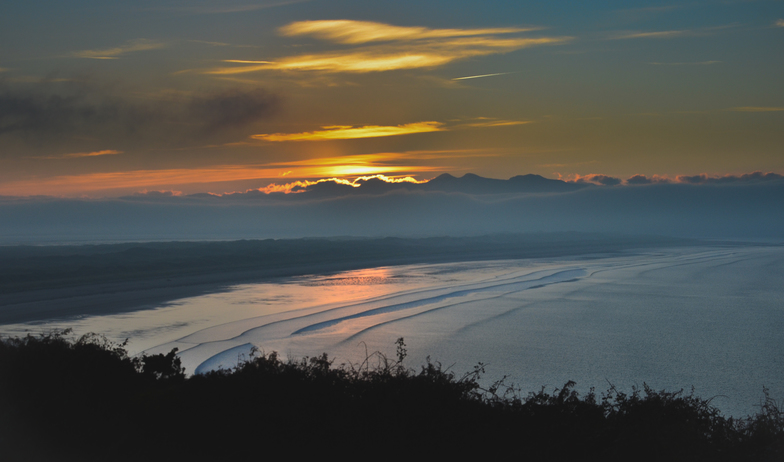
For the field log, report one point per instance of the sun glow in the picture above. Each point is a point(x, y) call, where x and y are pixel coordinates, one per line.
point(363, 166)
point(299, 186)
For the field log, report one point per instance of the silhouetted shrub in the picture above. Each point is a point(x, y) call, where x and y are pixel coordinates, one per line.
point(86, 399)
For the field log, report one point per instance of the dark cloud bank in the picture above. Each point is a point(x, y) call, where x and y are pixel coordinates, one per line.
point(44, 112)
point(744, 207)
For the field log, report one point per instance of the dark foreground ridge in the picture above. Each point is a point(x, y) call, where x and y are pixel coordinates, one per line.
point(86, 399)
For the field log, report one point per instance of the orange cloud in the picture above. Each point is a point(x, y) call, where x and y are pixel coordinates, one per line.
point(138, 179)
point(69, 185)
point(357, 32)
point(347, 132)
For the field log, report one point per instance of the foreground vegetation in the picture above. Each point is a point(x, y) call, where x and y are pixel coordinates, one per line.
point(86, 399)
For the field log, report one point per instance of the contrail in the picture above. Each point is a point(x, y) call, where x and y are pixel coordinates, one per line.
point(480, 76)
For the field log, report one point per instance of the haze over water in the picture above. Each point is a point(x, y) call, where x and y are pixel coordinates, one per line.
point(672, 318)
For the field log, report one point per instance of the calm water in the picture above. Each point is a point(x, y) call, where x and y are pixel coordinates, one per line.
point(711, 318)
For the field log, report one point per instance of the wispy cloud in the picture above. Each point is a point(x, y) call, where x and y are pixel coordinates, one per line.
point(670, 34)
point(358, 32)
point(494, 123)
point(480, 76)
point(696, 63)
point(226, 9)
point(76, 155)
point(406, 47)
point(89, 183)
point(664, 34)
point(135, 179)
point(780, 23)
point(347, 132)
point(114, 53)
point(757, 109)
point(223, 44)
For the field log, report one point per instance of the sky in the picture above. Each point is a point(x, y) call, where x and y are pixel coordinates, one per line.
point(105, 99)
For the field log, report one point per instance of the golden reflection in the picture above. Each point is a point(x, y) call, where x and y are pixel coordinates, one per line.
point(368, 276)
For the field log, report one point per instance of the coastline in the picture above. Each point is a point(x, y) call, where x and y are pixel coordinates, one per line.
point(55, 282)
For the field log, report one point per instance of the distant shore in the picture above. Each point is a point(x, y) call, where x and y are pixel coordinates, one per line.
point(41, 283)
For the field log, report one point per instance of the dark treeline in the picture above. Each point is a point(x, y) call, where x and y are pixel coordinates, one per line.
point(86, 399)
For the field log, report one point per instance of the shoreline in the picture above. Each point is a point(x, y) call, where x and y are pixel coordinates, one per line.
point(112, 279)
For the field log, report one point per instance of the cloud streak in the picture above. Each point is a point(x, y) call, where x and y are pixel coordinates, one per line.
point(697, 63)
point(136, 179)
point(116, 52)
point(358, 32)
point(404, 47)
point(495, 123)
point(227, 9)
point(77, 155)
point(664, 34)
point(481, 76)
point(757, 109)
point(347, 132)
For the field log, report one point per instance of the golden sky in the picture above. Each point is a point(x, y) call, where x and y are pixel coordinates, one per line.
point(104, 99)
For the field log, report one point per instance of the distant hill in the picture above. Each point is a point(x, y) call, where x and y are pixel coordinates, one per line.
point(467, 184)
point(475, 184)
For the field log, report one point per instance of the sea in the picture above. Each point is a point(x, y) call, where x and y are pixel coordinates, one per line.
point(705, 320)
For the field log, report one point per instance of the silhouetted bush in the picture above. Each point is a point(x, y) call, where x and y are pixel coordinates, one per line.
point(86, 399)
